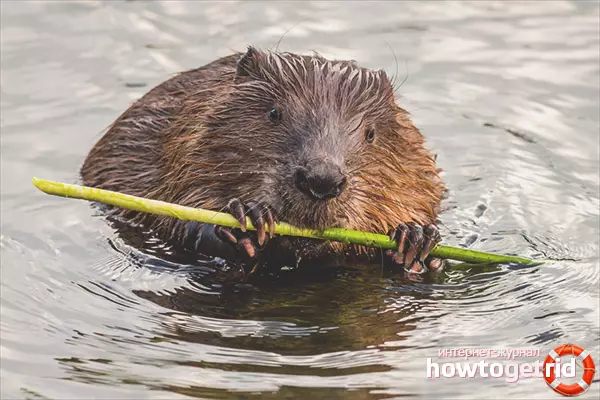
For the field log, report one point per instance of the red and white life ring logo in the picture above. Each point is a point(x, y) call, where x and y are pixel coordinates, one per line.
point(551, 371)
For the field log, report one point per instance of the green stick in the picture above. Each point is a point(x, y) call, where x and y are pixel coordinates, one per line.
point(282, 228)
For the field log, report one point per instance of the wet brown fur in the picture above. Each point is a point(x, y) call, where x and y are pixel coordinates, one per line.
point(203, 137)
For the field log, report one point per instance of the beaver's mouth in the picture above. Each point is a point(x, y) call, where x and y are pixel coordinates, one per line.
point(305, 211)
point(320, 214)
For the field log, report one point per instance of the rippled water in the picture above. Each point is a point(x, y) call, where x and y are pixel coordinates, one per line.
point(507, 94)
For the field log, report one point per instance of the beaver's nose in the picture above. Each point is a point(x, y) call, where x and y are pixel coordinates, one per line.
point(321, 181)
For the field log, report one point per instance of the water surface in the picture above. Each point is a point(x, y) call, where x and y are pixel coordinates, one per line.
point(507, 95)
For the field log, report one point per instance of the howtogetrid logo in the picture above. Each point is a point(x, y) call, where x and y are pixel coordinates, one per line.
point(553, 369)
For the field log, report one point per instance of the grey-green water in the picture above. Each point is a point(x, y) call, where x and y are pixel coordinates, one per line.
point(507, 94)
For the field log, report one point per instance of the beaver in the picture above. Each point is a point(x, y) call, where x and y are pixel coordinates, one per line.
point(276, 136)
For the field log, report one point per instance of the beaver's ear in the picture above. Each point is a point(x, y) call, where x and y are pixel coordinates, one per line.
point(383, 76)
point(248, 64)
point(386, 83)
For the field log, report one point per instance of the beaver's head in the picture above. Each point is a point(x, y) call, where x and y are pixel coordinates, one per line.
point(322, 142)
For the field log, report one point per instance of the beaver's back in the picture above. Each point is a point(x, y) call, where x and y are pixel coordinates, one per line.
point(129, 157)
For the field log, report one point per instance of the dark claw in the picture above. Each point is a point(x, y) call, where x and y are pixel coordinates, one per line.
point(225, 234)
point(248, 247)
point(255, 211)
point(432, 237)
point(415, 243)
point(236, 208)
point(400, 235)
point(271, 221)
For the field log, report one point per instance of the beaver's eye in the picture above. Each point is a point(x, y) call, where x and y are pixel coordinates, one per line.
point(274, 115)
point(370, 135)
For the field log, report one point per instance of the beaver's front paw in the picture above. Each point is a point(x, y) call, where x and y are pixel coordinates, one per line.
point(414, 244)
point(260, 214)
